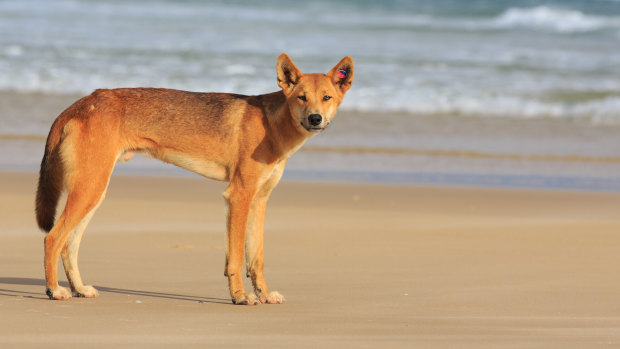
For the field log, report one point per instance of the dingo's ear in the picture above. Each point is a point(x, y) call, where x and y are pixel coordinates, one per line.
point(342, 74)
point(288, 73)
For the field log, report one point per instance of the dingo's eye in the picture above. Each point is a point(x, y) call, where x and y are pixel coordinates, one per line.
point(327, 98)
point(302, 98)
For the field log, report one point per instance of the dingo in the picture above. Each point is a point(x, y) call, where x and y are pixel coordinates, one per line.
point(245, 140)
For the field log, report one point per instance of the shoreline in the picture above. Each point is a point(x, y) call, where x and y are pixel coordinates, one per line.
point(420, 179)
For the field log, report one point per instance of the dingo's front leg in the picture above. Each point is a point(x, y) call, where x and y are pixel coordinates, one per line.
point(238, 201)
point(254, 243)
point(255, 253)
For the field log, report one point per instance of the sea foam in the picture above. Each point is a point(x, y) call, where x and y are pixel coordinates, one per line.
point(556, 19)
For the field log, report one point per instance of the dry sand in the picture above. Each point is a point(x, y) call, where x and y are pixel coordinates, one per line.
point(360, 266)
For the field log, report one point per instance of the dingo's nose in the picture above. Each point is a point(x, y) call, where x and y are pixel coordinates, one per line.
point(315, 119)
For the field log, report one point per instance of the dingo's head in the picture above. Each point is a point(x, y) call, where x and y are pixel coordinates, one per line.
point(314, 98)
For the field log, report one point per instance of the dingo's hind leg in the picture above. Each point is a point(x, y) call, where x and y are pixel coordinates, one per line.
point(67, 233)
point(69, 256)
point(88, 167)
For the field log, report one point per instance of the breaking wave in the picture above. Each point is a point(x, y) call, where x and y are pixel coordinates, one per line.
point(555, 19)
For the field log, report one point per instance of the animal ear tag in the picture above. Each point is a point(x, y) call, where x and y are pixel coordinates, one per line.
point(342, 74)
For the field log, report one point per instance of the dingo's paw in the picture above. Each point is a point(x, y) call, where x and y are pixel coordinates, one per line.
point(246, 299)
point(274, 297)
point(87, 292)
point(60, 293)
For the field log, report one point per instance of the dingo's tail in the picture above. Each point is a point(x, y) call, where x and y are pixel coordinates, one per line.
point(51, 176)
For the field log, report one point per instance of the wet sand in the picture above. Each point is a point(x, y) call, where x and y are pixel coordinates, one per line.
point(359, 265)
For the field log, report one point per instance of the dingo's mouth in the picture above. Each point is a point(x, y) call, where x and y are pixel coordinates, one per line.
point(313, 128)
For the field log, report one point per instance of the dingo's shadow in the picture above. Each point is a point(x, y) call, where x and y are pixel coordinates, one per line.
point(102, 289)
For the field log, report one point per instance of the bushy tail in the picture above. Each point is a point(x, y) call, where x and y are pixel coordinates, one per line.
point(51, 177)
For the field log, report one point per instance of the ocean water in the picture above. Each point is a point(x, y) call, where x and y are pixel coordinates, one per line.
point(471, 63)
point(498, 58)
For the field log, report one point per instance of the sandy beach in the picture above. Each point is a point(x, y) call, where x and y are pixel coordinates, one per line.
point(467, 195)
point(360, 266)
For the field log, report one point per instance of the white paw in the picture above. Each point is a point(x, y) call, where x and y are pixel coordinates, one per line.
point(273, 297)
point(246, 299)
point(87, 292)
point(60, 293)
